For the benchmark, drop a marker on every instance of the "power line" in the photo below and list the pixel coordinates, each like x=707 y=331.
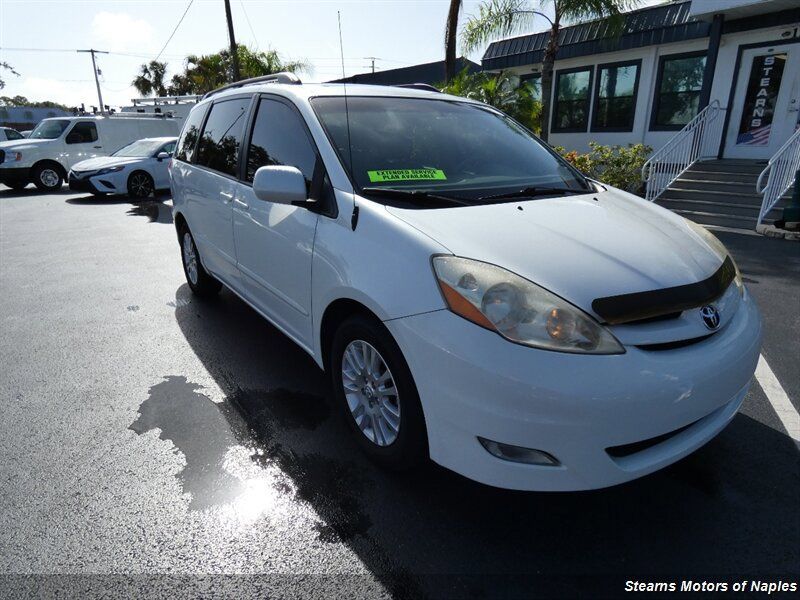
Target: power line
x=169 y=39
x=247 y=18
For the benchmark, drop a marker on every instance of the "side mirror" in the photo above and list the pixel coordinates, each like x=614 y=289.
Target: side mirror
x=162 y=155
x=281 y=185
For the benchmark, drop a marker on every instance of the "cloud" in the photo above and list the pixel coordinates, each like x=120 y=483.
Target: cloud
x=71 y=93
x=120 y=32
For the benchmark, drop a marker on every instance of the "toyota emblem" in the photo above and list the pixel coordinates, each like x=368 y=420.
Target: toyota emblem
x=710 y=316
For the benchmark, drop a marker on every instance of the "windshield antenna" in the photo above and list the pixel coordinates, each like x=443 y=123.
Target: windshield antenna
x=354 y=218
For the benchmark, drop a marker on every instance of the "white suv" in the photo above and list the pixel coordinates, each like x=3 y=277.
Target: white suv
x=473 y=297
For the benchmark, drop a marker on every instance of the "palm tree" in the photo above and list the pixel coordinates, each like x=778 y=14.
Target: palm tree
x=6 y=67
x=450 y=31
x=501 y=90
x=499 y=18
x=150 y=79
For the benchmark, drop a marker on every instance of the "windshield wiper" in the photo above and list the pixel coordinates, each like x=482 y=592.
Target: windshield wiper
x=530 y=192
x=420 y=197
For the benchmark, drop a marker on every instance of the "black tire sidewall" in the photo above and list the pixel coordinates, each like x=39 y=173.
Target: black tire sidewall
x=411 y=446
x=152 y=187
x=206 y=285
x=37 y=181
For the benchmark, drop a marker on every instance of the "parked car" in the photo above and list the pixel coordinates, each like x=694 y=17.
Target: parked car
x=26 y=133
x=7 y=133
x=473 y=297
x=56 y=144
x=138 y=169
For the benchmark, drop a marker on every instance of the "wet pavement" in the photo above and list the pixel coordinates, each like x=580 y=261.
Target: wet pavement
x=148 y=434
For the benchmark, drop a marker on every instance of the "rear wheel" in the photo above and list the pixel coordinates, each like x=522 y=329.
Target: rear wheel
x=377 y=395
x=140 y=185
x=201 y=283
x=47 y=177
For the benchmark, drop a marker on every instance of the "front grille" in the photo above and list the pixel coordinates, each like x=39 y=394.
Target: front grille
x=629 y=449
x=673 y=345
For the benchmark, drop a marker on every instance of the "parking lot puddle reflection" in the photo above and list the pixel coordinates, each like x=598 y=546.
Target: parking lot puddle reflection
x=246 y=452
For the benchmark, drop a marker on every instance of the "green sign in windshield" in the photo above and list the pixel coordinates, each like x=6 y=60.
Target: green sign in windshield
x=406 y=175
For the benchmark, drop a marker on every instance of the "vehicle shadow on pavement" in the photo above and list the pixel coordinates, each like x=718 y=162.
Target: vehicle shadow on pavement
x=154 y=208
x=431 y=532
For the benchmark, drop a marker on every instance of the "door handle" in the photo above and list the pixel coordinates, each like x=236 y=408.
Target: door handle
x=96 y=146
x=240 y=203
x=226 y=197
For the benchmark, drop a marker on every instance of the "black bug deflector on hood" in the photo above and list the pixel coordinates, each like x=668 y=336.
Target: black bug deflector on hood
x=637 y=306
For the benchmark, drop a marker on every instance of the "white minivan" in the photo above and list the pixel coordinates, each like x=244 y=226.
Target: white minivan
x=474 y=298
x=56 y=145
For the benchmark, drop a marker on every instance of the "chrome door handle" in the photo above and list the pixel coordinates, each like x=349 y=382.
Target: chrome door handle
x=226 y=197
x=96 y=146
x=240 y=203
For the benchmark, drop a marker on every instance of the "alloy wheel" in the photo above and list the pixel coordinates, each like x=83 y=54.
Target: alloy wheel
x=371 y=394
x=140 y=185
x=190 y=258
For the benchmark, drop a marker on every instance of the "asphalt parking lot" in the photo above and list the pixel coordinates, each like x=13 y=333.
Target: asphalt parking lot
x=144 y=432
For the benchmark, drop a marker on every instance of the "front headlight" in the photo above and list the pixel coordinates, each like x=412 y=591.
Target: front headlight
x=108 y=170
x=719 y=249
x=518 y=309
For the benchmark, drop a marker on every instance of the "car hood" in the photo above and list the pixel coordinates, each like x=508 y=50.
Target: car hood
x=579 y=247
x=101 y=162
x=21 y=145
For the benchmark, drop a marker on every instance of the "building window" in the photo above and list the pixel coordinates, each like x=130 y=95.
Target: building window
x=615 y=96
x=571 y=112
x=678 y=88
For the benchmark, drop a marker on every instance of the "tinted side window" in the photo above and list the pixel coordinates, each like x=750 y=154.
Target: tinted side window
x=11 y=134
x=189 y=134
x=82 y=133
x=280 y=138
x=222 y=135
x=168 y=148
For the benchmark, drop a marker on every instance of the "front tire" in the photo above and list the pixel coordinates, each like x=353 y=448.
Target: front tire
x=374 y=388
x=201 y=283
x=47 y=178
x=140 y=185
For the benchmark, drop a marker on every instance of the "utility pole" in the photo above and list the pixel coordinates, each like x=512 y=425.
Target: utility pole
x=96 y=80
x=372 y=59
x=234 y=54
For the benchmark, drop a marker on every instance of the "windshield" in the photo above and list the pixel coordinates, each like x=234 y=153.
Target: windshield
x=140 y=148
x=49 y=129
x=442 y=147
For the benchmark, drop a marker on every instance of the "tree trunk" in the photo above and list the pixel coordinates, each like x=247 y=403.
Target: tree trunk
x=451 y=29
x=548 y=60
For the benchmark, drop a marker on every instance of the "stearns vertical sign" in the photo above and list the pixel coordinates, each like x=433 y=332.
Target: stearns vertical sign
x=759 y=102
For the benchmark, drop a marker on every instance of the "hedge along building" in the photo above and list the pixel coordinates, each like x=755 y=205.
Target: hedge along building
x=737 y=59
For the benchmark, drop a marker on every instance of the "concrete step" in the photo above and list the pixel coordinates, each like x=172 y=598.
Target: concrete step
x=720 y=208
x=699 y=174
x=732 y=166
x=708 y=218
x=737 y=187
x=709 y=194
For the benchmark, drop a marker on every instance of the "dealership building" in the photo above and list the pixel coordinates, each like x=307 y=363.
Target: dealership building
x=650 y=83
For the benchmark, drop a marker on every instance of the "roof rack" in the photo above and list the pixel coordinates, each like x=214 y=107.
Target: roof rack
x=283 y=77
x=419 y=86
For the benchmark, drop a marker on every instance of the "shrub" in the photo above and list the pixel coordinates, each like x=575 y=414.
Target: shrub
x=619 y=166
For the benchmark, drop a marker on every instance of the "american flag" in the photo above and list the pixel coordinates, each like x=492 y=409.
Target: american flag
x=755 y=137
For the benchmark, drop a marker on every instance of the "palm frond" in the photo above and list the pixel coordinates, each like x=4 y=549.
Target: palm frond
x=495 y=18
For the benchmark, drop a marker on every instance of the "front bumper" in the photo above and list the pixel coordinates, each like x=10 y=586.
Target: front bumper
x=474 y=383
x=16 y=175
x=96 y=184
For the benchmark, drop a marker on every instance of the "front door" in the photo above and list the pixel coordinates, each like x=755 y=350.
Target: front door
x=275 y=242
x=83 y=143
x=765 y=103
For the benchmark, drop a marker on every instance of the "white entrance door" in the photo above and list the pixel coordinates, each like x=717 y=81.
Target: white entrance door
x=766 y=101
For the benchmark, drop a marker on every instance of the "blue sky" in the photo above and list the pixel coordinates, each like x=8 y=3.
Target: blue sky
x=397 y=32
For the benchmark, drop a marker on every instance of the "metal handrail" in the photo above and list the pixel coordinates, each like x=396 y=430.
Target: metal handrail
x=699 y=139
x=780 y=172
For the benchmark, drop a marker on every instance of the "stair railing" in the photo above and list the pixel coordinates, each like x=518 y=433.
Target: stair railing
x=779 y=173
x=699 y=139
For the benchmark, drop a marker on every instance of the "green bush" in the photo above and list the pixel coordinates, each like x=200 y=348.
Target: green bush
x=619 y=166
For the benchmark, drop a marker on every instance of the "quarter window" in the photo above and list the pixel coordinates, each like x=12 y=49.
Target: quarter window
x=280 y=138
x=222 y=135
x=83 y=133
x=615 y=98
x=190 y=134
x=680 y=81
x=572 y=100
